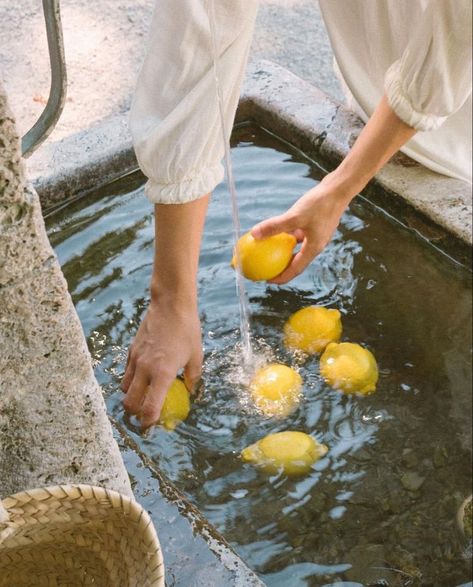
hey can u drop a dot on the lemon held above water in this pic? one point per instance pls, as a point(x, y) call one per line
point(265, 258)
point(275, 389)
point(176, 406)
point(349, 367)
point(311, 329)
point(292, 452)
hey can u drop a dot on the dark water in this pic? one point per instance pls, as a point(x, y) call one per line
point(380, 508)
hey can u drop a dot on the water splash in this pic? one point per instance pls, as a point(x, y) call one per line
point(248, 358)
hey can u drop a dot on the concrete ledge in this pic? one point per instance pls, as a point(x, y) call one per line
point(87, 160)
point(53, 424)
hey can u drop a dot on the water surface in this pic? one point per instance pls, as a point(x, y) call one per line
point(380, 508)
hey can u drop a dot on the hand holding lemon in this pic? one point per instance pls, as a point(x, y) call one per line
point(263, 259)
point(312, 219)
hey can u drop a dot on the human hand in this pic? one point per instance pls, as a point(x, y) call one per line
point(312, 219)
point(168, 339)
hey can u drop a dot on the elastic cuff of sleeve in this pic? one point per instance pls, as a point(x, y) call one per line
point(402, 106)
point(185, 190)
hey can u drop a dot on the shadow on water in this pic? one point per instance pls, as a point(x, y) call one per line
point(380, 508)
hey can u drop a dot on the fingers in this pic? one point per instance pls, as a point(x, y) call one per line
point(299, 234)
point(193, 371)
point(129, 372)
point(154, 399)
point(299, 262)
point(136, 392)
point(275, 225)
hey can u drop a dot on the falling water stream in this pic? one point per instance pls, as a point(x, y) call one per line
point(248, 359)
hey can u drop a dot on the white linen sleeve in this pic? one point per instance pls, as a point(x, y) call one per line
point(432, 79)
point(174, 118)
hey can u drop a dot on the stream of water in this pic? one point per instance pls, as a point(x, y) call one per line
point(248, 360)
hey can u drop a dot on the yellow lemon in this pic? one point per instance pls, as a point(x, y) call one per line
point(311, 329)
point(266, 258)
point(349, 367)
point(292, 452)
point(275, 389)
point(176, 406)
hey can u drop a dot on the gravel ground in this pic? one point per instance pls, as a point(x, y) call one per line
point(104, 45)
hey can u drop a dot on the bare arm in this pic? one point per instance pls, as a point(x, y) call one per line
point(316, 215)
point(169, 337)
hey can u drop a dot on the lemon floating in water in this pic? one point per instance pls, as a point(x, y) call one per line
point(349, 367)
point(176, 406)
point(275, 389)
point(265, 258)
point(292, 452)
point(311, 329)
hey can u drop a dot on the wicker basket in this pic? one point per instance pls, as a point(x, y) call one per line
point(77, 535)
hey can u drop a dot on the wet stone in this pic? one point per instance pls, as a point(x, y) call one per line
point(440, 456)
point(409, 458)
point(412, 481)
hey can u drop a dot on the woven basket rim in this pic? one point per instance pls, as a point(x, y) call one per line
point(69, 515)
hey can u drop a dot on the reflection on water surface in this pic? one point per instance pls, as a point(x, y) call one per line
point(380, 508)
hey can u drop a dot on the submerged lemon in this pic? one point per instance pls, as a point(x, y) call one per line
point(275, 389)
point(349, 367)
point(266, 258)
point(292, 452)
point(176, 406)
point(311, 329)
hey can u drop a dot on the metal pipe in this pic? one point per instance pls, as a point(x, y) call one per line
point(57, 93)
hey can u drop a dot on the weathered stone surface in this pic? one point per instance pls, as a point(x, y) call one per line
point(288, 106)
point(53, 424)
point(91, 158)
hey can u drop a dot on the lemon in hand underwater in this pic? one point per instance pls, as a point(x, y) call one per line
point(311, 329)
point(265, 258)
point(292, 452)
point(349, 367)
point(275, 389)
point(176, 406)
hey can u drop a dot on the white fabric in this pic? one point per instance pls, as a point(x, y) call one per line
point(418, 52)
point(174, 119)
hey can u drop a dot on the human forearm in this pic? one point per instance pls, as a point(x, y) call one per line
point(315, 216)
point(178, 231)
point(384, 134)
point(169, 336)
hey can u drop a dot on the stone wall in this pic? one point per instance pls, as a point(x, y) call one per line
point(53, 424)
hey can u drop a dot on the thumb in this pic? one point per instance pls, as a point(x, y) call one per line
point(272, 226)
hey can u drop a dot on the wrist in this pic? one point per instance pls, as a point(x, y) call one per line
point(346, 181)
point(174, 293)
point(339, 187)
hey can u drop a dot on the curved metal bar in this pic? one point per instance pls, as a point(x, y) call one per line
point(57, 93)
